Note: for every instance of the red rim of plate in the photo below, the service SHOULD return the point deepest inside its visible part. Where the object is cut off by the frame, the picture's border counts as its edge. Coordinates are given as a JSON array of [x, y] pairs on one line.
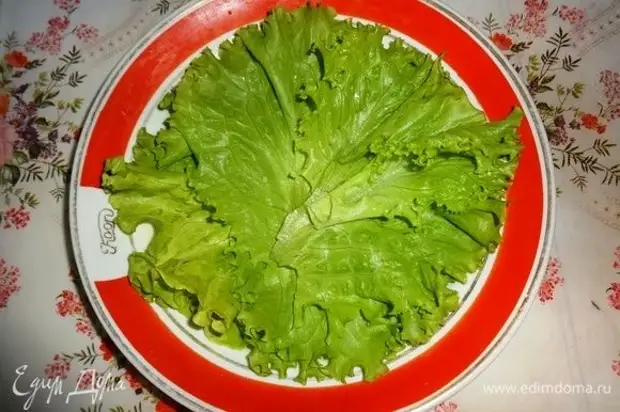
[[430, 377]]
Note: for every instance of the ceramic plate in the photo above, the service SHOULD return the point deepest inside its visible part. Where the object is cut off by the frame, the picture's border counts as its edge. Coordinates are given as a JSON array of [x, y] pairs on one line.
[[204, 376]]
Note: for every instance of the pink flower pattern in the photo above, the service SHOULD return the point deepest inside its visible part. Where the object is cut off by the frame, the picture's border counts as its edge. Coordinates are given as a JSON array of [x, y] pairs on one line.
[[613, 299], [58, 24], [85, 379], [86, 33], [613, 295], [573, 15], [559, 137], [133, 378], [536, 6], [50, 41], [447, 406], [513, 23], [551, 281], [34, 40], [534, 20], [67, 5], [611, 84], [85, 327], [615, 366], [9, 282], [68, 303], [535, 24], [16, 218], [59, 367]]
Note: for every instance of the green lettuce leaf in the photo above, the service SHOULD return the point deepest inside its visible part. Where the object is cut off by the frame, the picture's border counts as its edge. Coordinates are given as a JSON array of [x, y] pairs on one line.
[[314, 193], [242, 144]]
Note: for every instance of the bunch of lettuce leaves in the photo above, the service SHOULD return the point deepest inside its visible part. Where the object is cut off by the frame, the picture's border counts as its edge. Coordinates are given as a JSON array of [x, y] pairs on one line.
[[313, 194]]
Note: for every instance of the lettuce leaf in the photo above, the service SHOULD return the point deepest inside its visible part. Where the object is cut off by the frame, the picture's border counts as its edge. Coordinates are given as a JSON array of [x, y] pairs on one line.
[[313, 194]]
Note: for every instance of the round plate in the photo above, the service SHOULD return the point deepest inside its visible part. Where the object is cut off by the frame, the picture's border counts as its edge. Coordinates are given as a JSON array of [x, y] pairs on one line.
[[202, 376]]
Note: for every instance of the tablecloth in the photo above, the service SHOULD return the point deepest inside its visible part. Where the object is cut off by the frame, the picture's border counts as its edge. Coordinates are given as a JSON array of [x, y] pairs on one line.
[[54, 54]]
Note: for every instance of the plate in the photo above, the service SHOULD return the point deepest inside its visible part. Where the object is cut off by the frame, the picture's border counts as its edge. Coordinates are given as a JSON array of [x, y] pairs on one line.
[[203, 376]]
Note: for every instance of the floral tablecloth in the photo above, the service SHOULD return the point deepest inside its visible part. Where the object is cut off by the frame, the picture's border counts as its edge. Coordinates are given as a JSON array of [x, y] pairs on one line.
[[54, 54]]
